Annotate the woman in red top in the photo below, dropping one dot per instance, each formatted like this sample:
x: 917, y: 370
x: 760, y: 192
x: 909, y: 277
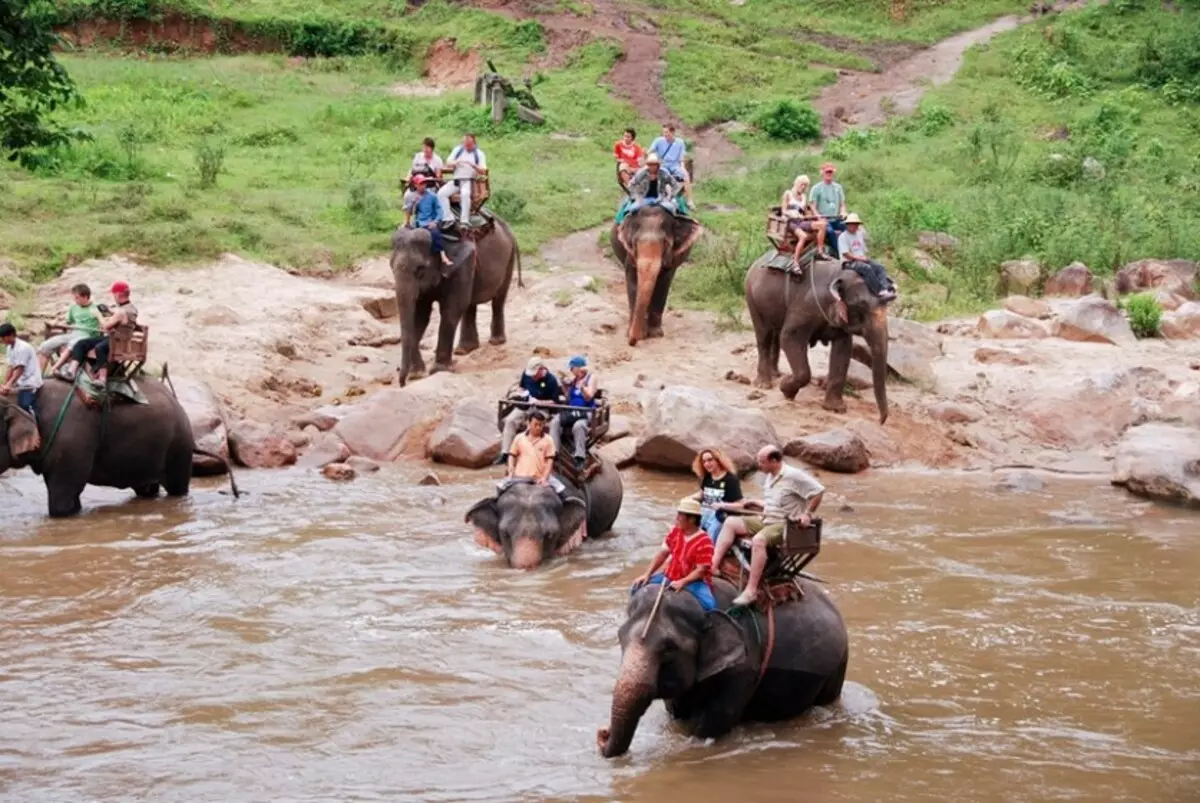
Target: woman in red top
x: 629, y: 156
x: 689, y: 551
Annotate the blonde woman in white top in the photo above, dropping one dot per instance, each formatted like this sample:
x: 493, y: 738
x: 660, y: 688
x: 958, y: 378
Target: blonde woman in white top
x: 802, y: 217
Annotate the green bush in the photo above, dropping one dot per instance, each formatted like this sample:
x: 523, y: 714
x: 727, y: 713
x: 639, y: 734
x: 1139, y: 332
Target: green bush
x: 508, y: 205
x: 788, y: 121
x: 1145, y: 314
x: 210, y: 161
x: 1170, y: 60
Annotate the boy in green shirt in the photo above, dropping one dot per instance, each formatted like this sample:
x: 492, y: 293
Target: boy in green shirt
x: 84, y: 320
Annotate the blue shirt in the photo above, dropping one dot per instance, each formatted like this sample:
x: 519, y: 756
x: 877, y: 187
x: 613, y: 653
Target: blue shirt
x: 429, y: 209
x: 575, y: 397
x: 544, y: 389
x: 671, y: 153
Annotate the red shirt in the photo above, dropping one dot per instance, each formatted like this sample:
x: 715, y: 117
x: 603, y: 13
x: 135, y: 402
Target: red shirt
x: 687, y: 554
x: 628, y: 156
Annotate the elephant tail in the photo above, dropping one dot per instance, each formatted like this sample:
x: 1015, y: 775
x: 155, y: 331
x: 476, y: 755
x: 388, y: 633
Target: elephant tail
x: 228, y: 468
x: 517, y: 257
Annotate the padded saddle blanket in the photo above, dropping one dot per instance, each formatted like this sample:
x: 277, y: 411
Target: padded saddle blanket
x: 121, y: 388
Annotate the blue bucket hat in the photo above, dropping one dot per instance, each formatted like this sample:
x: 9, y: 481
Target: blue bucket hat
x: 578, y: 361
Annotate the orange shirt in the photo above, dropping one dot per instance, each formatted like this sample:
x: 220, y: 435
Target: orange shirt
x: 628, y: 155
x: 532, y: 456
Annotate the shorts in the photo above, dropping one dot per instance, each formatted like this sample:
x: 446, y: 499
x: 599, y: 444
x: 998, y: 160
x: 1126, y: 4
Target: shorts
x: 697, y: 588
x: 678, y: 172
x: 803, y: 225
x: 770, y: 534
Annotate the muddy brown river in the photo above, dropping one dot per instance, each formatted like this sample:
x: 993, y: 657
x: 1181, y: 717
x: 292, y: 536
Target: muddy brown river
x: 321, y: 642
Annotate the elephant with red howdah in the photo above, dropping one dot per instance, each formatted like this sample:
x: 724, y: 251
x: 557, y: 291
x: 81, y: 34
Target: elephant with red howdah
x: 790, y: 314
x: 651, y: 243
x: 146, y: 447
x: 480, y: 274
x: 708, y: 667
x: 528, y: 522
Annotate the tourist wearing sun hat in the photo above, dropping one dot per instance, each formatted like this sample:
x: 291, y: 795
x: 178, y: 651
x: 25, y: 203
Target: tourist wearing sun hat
x: 688, y: 552
x: 852, y: 245
x: 580, y: 392
x: 538, y: 386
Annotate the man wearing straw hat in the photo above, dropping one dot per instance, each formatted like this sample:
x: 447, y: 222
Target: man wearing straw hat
x: 539, y: 387
x: 688, y: 552
x: 852, y: 246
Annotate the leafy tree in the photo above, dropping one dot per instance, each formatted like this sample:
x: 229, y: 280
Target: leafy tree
x: 32, y: 82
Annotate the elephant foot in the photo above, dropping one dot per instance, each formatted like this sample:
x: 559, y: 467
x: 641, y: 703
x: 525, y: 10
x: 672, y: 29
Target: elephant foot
x: 439, y: 367
x: 834, y: 405
x: 791, y: 385
x: 654, y: 331
x: 497, y: 340
x: 464, y: 348
x: 764, y: 384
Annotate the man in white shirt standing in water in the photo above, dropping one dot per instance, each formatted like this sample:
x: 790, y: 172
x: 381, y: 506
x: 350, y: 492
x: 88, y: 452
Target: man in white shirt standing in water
x: 467, y: 162
x: 24, y: 374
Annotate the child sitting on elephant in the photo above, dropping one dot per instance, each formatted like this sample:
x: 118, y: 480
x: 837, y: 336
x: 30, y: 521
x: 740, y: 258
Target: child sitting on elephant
x: 688, y: 551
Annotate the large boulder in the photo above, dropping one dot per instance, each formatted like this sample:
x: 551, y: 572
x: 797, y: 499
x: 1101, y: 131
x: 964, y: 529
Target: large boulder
x: 682, y: 420
x: 261, y: 446
x: 1160, y: 461
x: 1177, y: 276
x: 397, y: 422
x: 204, y: 413
x: 1075, y: 281
x: 937, y: 241
x: 912, y: 348
x: 1183, y: 323
x: 1094, y: 410
x: 1027, y: 307
x: 1093, y: 320
x: 1020, y: 276
x: 468, y: 436
x: 323, y: 449
x: 1001, y: 324
x: 836, y: 450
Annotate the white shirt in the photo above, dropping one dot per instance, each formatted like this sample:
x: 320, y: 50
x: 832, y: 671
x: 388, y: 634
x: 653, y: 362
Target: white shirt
x: 419, y: 162
x: 855, y: 244
x: 786, y: 494
x: 466, y: 162
x: 21, y: 353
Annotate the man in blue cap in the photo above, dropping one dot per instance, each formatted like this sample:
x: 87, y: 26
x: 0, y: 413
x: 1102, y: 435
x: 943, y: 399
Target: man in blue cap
x: 580, y: 391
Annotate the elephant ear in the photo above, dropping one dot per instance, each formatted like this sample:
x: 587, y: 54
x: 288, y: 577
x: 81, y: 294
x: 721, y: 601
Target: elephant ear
x: 573, y: 515
x: 22, y: 431
x: 687, y: 233
x: 721, y: 647
x: 485, y: 516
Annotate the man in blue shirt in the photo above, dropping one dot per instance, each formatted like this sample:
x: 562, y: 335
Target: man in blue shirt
x: 672, y: 152
x: 428, y: 214
x: 541, y: 388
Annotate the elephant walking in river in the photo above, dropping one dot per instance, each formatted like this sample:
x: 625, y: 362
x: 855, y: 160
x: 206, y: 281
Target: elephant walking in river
x: 650, y: 244
x: 528, y: 523
x: 146, y: 447
x: 792, y: 313
x: 481, y: 273
x: 708, y: 667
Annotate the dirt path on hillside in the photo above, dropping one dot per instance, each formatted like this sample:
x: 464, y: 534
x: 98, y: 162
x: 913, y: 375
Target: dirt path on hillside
x: 869, y: 98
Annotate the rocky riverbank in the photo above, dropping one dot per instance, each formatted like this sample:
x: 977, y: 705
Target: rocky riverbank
x: 278, y: 369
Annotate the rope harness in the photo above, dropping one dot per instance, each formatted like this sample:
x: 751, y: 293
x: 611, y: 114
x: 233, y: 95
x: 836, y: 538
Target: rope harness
x: 62, y: 414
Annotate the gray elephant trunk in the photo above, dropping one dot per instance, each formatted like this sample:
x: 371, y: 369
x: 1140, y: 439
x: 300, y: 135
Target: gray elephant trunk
x: 631, y: 697
x: 877, y: 339
x: 526, y: 553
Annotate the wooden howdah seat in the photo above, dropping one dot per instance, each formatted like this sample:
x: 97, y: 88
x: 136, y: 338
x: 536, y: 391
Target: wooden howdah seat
x: 786, y: 562
x: 127, y: 347
x: 564, y: 463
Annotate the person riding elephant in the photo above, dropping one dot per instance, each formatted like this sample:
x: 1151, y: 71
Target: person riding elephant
x: 714, y: 671
x: 828, y: 304
x: 478, y: 273
x: 140, y: 446
x: 651, y: 243
x: 528, y: 522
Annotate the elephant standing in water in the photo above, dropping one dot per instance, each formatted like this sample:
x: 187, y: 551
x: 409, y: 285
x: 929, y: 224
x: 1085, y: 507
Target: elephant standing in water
x: 481, y: 273
x: 650, y: 244
x: 528, y: 523
x: 708, y: 667
x: 140, y: 446
x: 792, y: 313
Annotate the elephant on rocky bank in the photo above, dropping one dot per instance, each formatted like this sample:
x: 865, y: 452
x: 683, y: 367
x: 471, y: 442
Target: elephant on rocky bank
x: 481, y: 273
x: 651, y: 243
x: 528, y: 523
x: 792, y: 313
x: 140, y: 446
x: 708, y: 667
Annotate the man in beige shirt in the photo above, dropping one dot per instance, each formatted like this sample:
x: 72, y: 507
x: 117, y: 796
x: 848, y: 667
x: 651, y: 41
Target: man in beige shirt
x: 790, y: 494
